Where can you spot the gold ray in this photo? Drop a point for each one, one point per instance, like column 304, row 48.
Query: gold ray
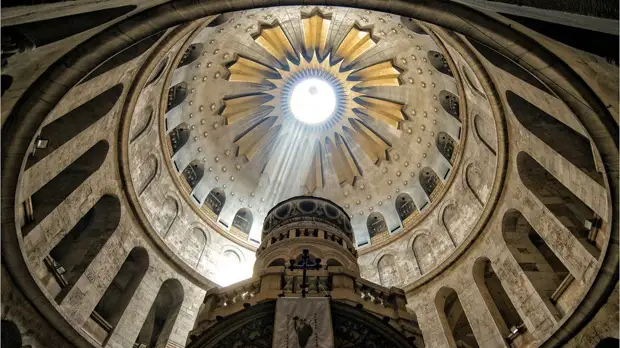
column 374, row 147
column 276, row 43
column 354, row 45
column 246, row 70
column 342, row 160
column 257, row 137
column 378, row 75
column 316, row 29
column 236, row 109
column 315, row 174
column 382, row 110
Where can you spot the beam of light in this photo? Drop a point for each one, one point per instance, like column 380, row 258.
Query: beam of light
column 313, row 100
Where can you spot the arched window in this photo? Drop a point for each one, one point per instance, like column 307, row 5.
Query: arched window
column 404, row 206
column 446, row 145
column 68, row 260
column 502, row 310
column 179, row 137
column 11, row 337
column 193, row 173
column 376, row 225
column 159, row 322
column 48, row 197
column 429, row 182
column 66, row 127
column 454, row 320
column 543, row 268
column 577, row 217
column 191, row 54
column 563, row 139
column 388, row 271
column 215, row 200
column 176, row 95
column 439, row 62
column 114, row 301
column 243, row 220
column 450, row 103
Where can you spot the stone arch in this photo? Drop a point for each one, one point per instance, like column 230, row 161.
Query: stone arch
column 473, row 180
column 195, row 244
column 176, row 95
column 498, row 302
column 405, row 206
column 148, row 172
column 376, row 225
column 472, row 82
column 243, row 220
column 166, row 216
column 114, row 302
column 193, row 173
column 389, row 274
column 563, row 139
column 448, row 218
column 192, row 52
column 157, row 72
column 535, row 258
column 421, row 248
column 48, row 197
column 455, row 323
column 179, row 137
column 142, row 123
column 439, row 62
column 128, row 54
column 69, row 125
column 429, row 181
column 450, row 103
column 10, row 335
column 446, row 145
column 159, row 323
column 565, row 206
column 277, row 262
column 215, row 200
column 483, row 134
column 68, row 260
column 5, row 83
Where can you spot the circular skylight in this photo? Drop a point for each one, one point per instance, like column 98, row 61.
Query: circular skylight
column 313, row 100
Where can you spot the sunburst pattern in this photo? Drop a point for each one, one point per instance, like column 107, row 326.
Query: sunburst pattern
column 316, row 58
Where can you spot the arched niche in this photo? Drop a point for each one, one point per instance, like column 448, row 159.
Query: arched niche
column 141, row 123
column 147, row 173
column 484, row 131
column 473, row 181
column 176, row 95
column 455, row 323
column 48, row 197
column 376, row 225
column 192, row 52
column 332, row 263
column 243, row 220
column 446, row 145
column 535, row 258
column 439, row 62
column 68, row 260
column 193, row 245
column 564, row 140
column 404, row 206
column 215, row 200
column 159, row 322
column 389, row 274
column 450, row 103
column 575, row 215
column 10, row 335
column 157, row 72
column 119, row 293
column 429, row 181
column 179, row 137
column 422, row 248
column 277, row 262
column 69, row 125
column 166, row 215
column 496, row 299
column 193, row 173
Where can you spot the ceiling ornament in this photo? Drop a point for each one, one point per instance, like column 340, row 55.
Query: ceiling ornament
column 268, row 111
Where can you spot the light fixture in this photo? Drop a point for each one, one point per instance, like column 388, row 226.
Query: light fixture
column 313, row 100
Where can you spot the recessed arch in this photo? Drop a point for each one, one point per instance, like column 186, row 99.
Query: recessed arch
column 446, row 145
column 575, row 215
column 376, row 225
column 439, row 62
column 71, row 124
column 192, row 52
column 157, row 72
column 389, row 275
column 48, row 197
column 159, row 322
column 454, row 320
column 410, row 24
column 422, row 248
column 450, row 103
column 429, row 182
column 116, row 298
column 193, row 173
column 483, row 132
column 77, row 249
column 142, row 123
column 179, row 137
column 147, row 173
column 405, row 206
column 176, row 95
column 215, row 201
column 166, row 216
column 473, row 180
column 277, row 262
column 243, row 220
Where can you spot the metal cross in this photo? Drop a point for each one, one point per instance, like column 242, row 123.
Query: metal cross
column 305, row 264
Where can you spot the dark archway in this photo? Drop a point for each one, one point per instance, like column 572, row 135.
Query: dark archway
column 404, row 206
column 450, row 103
column 191, row 54
column 215, row 200
column 159, row 322
column 10, row 335
column 193, row 173
column 179, row 137
column 439, row 62
column 446, row 145
column 243, row 220
column 429, row 182
column 376, row 225
column 176, row 95
column 455, row 320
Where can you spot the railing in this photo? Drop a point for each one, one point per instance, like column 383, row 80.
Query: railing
column 309, row 232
